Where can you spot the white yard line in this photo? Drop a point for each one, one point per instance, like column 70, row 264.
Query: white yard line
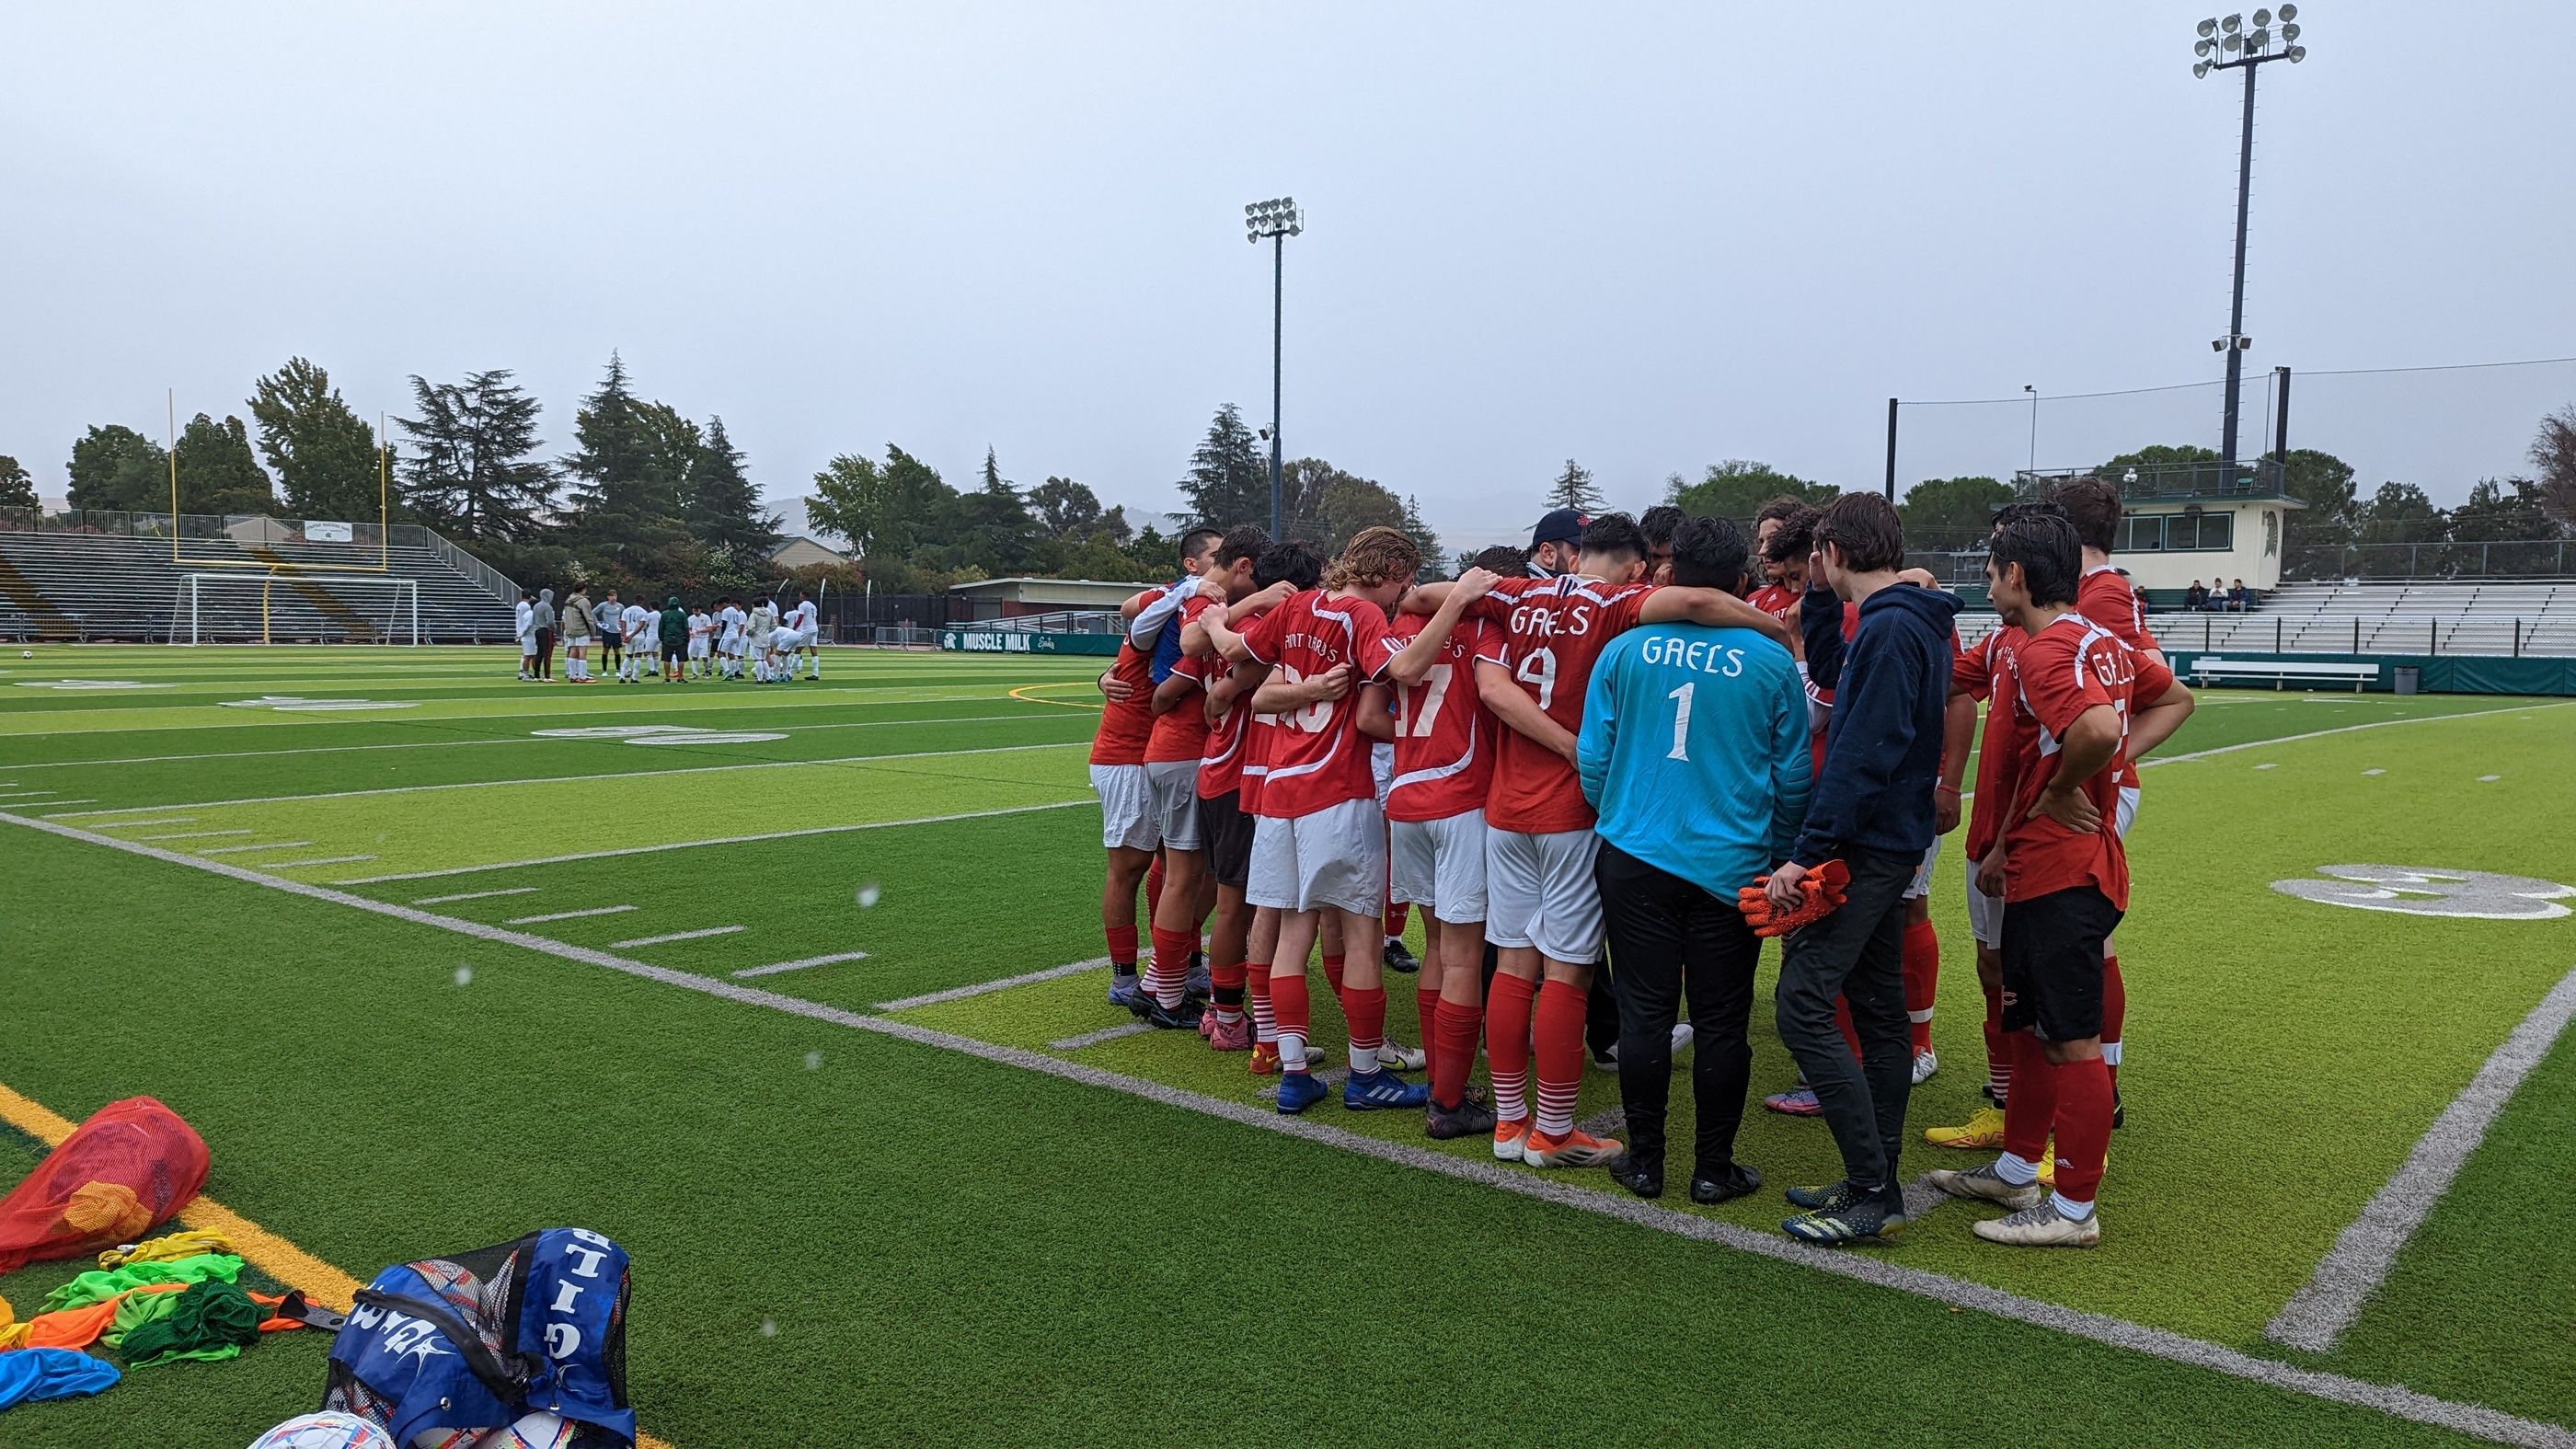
column 84, row 800
column 2377, row 724
column 474, row 895
column 1005, row 983
column 2392, row 1399
column 139, row 824
column 676, row 936
column 1095, row 1038
column 601, row 705
column 774, row 967
column 240, row 849
column 194, row 834
column 583, row 779
column 718, row 840
column 317, row 860
column 2317, row 1315
column 509, row 740
column 567, row 915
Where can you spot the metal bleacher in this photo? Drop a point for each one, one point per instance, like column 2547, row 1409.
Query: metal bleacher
column 93, row 576
column 2509, row 618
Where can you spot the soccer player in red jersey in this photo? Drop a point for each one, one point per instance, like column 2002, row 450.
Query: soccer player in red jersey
column 1974, row 677
column 2082, row 701
column 1319, row 841
column 2106, row 598
column 1542, row 905
column 1435, row 804
column 1776, row 597
column 1127, row 825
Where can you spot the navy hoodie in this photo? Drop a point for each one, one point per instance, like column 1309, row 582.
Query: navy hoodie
column 1883, row 748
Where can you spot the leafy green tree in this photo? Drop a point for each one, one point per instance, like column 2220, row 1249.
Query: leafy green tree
column 2506, row 510
column 885, row 510
column 1574, row 489
column 722, row 507
column 2401, row 513
column 2323, row 482
column 1229, row 480
column 324, row 454
column 17, row 485
column 217, row 472
column 2553, row 452
column 1067, row 510
column 473, row 468
column 1737, row 488
column 115, row 467
column 1952, row 505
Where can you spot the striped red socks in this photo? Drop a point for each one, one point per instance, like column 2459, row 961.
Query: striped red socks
column 1451, row 1041
column 1557, row 1032
column 1922, row 980
column 1999, row 1050
column 1288, row 1007
column 1170, row 977
column 1507, row 1043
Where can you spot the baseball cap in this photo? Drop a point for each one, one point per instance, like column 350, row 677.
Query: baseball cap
column 1563, row 525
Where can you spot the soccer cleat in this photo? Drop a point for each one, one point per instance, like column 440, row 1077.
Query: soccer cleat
column 1129, row 992
column 1683, row 1035
column 1800, row 1102
column 1736, row 1181
column 2048, row 1165
column 1184, row 1017
column 1866, row 1221
column 1833, row 1197
column 2119, row 1111
column 1987, row 1185
column 1606, row 1059
column 1207, row 1022
column 1395, row 1056
column 1265, row 1059
column 1641, row 1178
column 1299, row 1091
column 1925, row 1064
column 1380, row 1090
column 1223, row 1036
column 1984, row 1128
column 2041, row 1225
column 1511, row 1137
column 1577, row 1148
column 1468, row 1119
column 1199, row 986
column 1400, row 957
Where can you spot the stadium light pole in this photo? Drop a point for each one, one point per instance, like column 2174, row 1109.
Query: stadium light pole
column 1278, row 220
column 2033, row 389
column 2229, row 45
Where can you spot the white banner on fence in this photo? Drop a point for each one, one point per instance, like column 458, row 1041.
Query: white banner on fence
column 316, row 531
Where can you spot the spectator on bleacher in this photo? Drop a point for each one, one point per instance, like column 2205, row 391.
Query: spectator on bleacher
column 2195, row 598
column 2236, row 597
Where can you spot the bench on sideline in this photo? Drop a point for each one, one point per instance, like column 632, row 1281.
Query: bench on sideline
column 2281, row 672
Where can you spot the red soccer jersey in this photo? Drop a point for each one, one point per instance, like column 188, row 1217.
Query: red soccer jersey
column 2106, row 598
column 1315, row 757
column 2059, row 673
column 1180, row 733
column 1975, row 670
column 1778, row 602
column 1221, row 759
column 1444, row 736
column 1554, row 631
column 1127, row 723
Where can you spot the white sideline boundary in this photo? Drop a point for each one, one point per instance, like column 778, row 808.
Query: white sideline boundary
column 774, row 967
column 2334, row 1295
column 697, row 935
column 2394, row 1400
column 646, row 703
column 718, row 840
column 578, row 779
column 568, row 915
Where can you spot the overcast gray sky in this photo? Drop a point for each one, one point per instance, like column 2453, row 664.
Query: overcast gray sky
column 1645, row 236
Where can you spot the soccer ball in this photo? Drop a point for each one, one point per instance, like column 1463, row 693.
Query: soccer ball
column 539, row 1430
column 325, row 1431
column 26, row 653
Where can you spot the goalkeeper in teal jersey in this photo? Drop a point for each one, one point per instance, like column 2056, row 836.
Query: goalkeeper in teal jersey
column 1694, row 750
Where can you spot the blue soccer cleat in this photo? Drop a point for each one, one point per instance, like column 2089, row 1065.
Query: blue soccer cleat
column 1379, row 1090
column 1299, row 1091
column 1129, row 992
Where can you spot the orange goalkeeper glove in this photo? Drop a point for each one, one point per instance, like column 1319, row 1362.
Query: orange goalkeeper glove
column 1819, row 891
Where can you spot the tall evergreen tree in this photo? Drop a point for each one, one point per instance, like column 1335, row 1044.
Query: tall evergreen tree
column 1423, row 538
column 474, row 469
column 1574, row 489
column 17, row 485
column 217, row 472
column 1229, row 480
column 723, row 509
column 115, row 467
column 629, row 465
column 1000, row 530
column 324, row 454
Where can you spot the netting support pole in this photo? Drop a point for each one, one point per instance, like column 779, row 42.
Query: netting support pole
column 2281, row 417
column 1891, row 450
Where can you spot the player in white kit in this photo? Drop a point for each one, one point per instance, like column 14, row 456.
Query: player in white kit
column 702, row 639
column 643, row 637
column 729, row 622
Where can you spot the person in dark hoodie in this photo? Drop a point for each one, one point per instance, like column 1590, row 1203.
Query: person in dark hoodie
column 1872, row 809
column 674, row 629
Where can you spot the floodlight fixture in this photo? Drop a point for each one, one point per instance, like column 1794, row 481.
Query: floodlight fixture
column 2200, row 70
column 2262, row 18
column 2259, row 40
column 2227, row 43
column 2289, row 33
column 2208, row 28
column 2202, row 48
column 2232, row 24
column 2231, row 43
column 2289, row 12
column 1277, row 220
column 2296, row 53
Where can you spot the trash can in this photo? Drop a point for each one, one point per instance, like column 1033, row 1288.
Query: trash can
column 2406, row 675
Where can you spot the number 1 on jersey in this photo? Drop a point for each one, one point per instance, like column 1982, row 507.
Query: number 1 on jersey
column 1681, row 720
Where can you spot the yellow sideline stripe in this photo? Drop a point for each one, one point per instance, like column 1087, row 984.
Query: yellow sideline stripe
column 259, row 1247
column 1058, row 703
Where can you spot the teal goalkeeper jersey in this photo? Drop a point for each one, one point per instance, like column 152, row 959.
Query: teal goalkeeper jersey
column 1694, row 750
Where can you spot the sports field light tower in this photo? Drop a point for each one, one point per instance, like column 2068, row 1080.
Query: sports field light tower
column 1278, row 220
column 2230, row 44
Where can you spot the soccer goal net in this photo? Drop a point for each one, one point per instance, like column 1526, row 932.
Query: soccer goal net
column 295, row 608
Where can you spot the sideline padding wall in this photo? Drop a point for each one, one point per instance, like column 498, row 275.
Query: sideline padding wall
column 2435, row 673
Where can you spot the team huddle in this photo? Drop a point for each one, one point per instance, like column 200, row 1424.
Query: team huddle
column 1605, row 771
column 675, row 642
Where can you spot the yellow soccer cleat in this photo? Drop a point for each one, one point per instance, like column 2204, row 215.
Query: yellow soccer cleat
column 1983, row 1130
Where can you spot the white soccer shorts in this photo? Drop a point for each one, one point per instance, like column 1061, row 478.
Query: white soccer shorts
column 2128, row 812
column 1439, row 865
column 1382, row 769
column 1539, row 892
column 1174, row 786
column 1126, row 807
column 527, row 646
column 784, row 641
column 1985, row 916
column 1921, row 885
column 697, row 649
column 1334, row 858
